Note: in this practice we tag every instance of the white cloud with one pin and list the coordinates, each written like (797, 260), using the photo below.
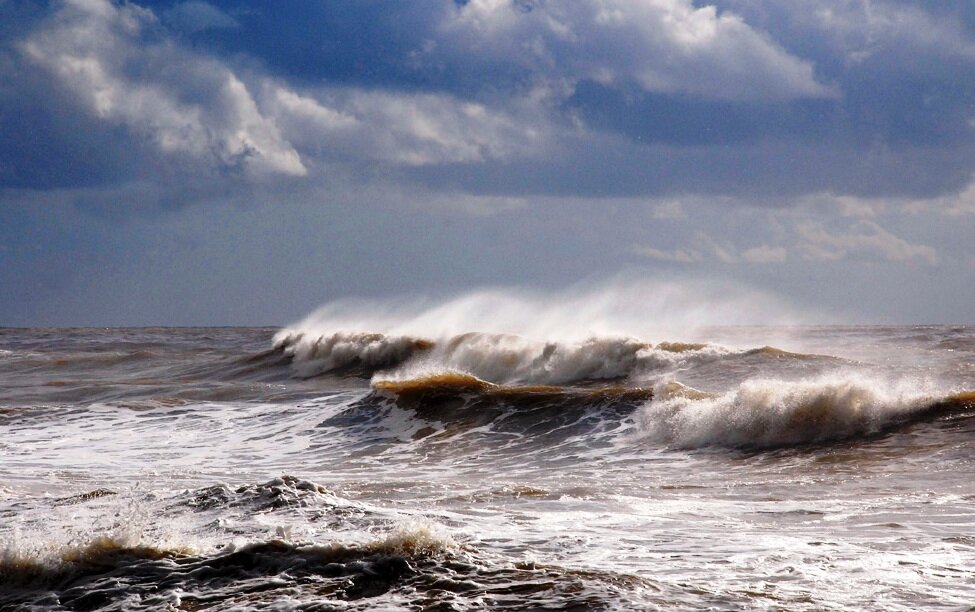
(667, 46)
(867, 237)
(862, 28)
(118, 63)
(403, 128)
(956, 204)
(182, 103)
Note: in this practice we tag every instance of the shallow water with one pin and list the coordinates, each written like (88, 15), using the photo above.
(316, 468)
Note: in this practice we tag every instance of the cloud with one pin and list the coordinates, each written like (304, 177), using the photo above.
(412, 129)
(676, 255)
(107, 56)
(124, 69)
(816, 228)
(194, 16)
(867, 237)
(863, 29)
(711, 250)
(764, 254)
(663, 46)
(957, 204)
(669, 210)
(498, 99)
(859, 31)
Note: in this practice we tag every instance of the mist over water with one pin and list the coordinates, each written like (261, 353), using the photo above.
(617, 445)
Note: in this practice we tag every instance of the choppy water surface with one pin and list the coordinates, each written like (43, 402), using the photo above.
(355, 468)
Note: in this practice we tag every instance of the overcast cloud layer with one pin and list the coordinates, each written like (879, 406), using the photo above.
(232, 163)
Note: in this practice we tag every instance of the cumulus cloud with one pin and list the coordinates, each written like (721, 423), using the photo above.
(663, 46)
(615, 97)
(108, 57)
(119, 64)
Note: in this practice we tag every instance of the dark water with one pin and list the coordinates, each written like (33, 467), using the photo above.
(320, 469)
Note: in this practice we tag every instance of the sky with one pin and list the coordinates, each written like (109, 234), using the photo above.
(241, 163)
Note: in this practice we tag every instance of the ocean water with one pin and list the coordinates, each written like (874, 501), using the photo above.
(422, 462)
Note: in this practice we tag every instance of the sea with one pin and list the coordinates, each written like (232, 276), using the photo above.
(425, 461)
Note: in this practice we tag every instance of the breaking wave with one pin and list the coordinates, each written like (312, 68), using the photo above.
(505, 359)
(757, 414)
(766, 413)
(588, 332)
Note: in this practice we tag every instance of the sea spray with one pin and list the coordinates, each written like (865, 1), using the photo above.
(625, 305)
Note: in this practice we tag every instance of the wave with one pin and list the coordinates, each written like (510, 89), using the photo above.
(493, 357)
(412, 566)
(460, 412)
(106, 571)
(764, 413)
(505, 359)
(757, 414)
(80, 359)
(455, 413)
(357, 353)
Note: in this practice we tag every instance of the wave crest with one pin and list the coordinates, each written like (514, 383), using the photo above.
(502, 359)
(443, 385)
(345, 352)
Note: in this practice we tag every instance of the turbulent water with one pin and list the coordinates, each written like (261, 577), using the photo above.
(362, 466)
